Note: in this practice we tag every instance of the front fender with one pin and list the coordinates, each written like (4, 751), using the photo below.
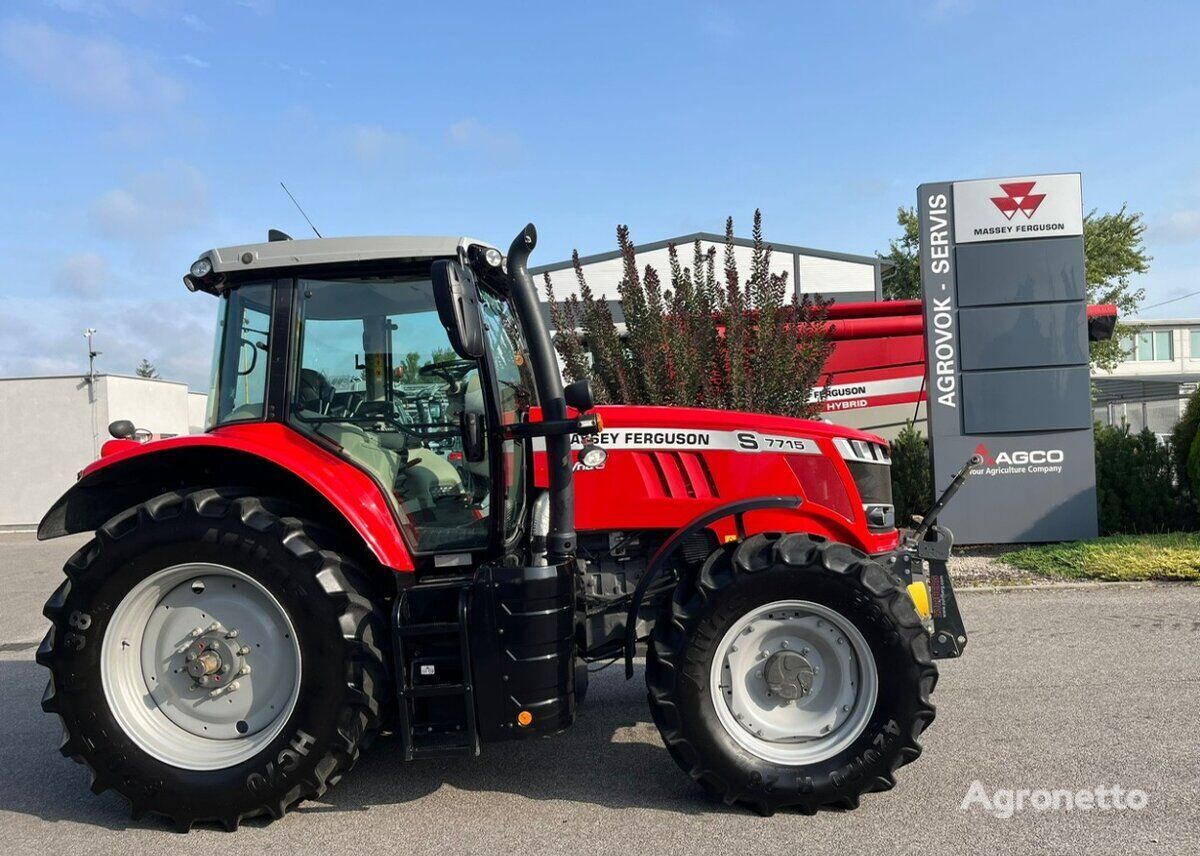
(233, 455)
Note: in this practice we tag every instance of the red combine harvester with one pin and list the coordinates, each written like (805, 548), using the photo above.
(877, 368)
(399, 519)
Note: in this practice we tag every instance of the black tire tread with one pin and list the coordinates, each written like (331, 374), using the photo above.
(670, 640)
(364, 631)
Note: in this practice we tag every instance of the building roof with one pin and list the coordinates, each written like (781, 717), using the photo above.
(1165, 322)
(310, 251)
(714, 238)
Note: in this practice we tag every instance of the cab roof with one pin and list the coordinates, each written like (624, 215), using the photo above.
(315, 251)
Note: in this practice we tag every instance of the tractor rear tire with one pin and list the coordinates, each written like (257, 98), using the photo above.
(764, 593)
(121, 662)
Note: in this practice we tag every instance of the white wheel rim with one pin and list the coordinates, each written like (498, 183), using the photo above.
(826, 718)
(242, 705)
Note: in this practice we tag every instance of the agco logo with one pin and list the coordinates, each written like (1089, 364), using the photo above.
(1020, 461)
(1018, 196)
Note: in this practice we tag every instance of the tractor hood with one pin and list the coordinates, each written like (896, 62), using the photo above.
(693, 418)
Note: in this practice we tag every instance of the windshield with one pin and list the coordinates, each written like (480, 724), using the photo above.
(376, 375)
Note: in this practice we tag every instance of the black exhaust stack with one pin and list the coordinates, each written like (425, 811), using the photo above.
(560, 542)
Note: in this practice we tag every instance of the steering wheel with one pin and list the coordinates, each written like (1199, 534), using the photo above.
(386, 411)
(451, 371)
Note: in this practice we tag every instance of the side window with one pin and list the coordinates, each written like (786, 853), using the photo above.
(516, 395)
(245, 333)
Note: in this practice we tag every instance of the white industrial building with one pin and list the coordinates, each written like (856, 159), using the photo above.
(54, 426)
(1150, 387)
(844, 277)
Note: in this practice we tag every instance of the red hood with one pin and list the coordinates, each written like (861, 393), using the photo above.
(624, 415)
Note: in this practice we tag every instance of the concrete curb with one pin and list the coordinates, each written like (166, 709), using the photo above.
(1084, 584)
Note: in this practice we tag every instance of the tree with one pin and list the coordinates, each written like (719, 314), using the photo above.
(146, 369)
(904, 283)
(410, 368)
(1112, 244)
(1114, 252)
(704, 341)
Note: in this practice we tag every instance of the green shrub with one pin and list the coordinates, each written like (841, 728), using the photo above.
(1183, 437)
(1137, 484)
(912, 487)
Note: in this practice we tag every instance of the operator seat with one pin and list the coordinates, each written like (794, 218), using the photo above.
(314, 392)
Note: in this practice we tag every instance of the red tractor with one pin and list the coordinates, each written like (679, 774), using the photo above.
(399, 519)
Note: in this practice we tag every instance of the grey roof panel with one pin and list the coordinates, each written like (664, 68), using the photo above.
(275, 254)
(713, 237)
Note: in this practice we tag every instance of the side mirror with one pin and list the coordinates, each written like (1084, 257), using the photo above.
(457, 299)
(579, 395)
(122, 429)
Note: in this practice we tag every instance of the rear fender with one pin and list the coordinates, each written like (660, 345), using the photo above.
(263, 456)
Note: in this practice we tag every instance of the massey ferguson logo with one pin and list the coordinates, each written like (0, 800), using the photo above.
(1020, 462)
(1018, 196)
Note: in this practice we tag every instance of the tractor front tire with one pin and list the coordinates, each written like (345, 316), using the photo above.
(210, 662)
(791, 672)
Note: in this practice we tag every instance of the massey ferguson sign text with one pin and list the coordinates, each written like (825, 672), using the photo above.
(1035, 206)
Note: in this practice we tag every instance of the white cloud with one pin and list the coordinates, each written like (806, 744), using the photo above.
(45, 336)
(372, 143)
(95, 72)
(1181, 226)
(470, 133)
(722, 25)
(196, 23)
(195, 62)
(151, 206)
(85, 275)
(258, 7)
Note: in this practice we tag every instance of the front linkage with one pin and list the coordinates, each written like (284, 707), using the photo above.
(922, 562)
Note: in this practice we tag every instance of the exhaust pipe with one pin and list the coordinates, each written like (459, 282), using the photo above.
(560, 539)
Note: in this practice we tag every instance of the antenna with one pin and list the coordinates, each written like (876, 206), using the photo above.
(298, 208)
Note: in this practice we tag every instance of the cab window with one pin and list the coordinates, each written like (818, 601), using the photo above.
(376, 376)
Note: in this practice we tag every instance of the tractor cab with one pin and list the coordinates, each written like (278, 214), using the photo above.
(355, 354)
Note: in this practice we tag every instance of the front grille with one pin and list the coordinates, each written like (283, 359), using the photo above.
(871, 467)
(874, 482)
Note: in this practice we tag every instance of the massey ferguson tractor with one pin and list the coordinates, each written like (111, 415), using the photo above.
(400, 520)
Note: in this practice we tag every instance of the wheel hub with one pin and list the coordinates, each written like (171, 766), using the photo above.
(788, 675)
(176, 659)
(215, 660)
(793, 682)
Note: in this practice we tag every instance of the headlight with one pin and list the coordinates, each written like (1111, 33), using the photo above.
(201, 268)
(592, 456)
(492, 257)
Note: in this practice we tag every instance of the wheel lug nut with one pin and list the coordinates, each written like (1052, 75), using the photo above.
(784, 643)
(215, 626)
(245, 670)
(232, 634)
(197, 631)
(244, 650)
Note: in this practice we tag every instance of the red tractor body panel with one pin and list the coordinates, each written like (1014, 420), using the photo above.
(666, 466)
(351, 491)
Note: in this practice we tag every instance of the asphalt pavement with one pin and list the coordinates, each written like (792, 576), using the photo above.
(1061, 688)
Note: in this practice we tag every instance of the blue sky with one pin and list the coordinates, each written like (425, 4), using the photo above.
(137, 133)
